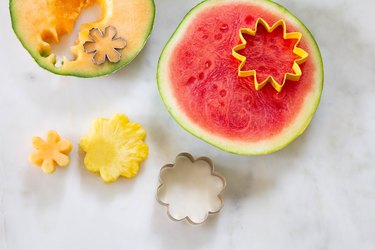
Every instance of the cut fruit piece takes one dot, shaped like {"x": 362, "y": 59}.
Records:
{"x": 39, "y": 23}
{"x": 199, "y": 83}
{"x": 51, "y": 152}
{"x": 114, "y": 147}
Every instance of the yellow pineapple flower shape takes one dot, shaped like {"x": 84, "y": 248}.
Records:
{"x": 54, "y": 151}
{"x": 114, "y": 147}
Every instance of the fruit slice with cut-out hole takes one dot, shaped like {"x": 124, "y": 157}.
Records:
{"x": 40, "y": 23}
{"x": 199, "y": 83}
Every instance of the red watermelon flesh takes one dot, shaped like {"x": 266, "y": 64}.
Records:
{"x": 269, "y": 54}
{"x": 204, "y": 74}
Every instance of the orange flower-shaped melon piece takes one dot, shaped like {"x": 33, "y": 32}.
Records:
{"x": 51, "y": 152}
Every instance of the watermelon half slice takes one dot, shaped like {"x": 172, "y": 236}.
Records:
{"x": 199, "y": 82}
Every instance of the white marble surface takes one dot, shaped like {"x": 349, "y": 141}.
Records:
{"x": 318, "y": 193}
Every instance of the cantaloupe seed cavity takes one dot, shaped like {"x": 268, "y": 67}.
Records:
{"x": 66, "y": 21}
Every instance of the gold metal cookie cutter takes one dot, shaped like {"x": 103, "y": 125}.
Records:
{"x": 298, "y": 51}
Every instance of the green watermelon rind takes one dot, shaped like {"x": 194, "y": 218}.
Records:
{"x": 106, "y": 71}
{"x": 258, "y": 148}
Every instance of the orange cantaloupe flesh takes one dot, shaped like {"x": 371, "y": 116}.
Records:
{"x": 39, "y": 23}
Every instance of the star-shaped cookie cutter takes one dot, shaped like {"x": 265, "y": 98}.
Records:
{"x": 286, "y": 36}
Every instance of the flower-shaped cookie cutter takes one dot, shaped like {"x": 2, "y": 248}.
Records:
{"x": 296, "y": 50}
{"x": 191, "y": 189}
{"x": 104, "y": 45}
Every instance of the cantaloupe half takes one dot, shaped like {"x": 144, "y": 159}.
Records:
{"x": 39, "y": 23}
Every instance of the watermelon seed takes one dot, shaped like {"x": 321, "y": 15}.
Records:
{"x": 224, "y": 27}
{"x": 249, "y": 20}
{"x": 218, "y": 36}
{"x": 191, "y": 80}
{"x": 208, "y": 64}
{"x": 201, "y": 76}
{"x": 204, "y": 37}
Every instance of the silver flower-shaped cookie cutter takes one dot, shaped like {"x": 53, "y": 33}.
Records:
{"x": 191, "y": 189}
{"x": 104, "y": 45}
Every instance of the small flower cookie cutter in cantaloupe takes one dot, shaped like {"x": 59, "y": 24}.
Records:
{"x": 50, "y": 152}
{"x": 104, "y": 45}
{"x": 114, "y": 147}
{"x": 191, "y": 189}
